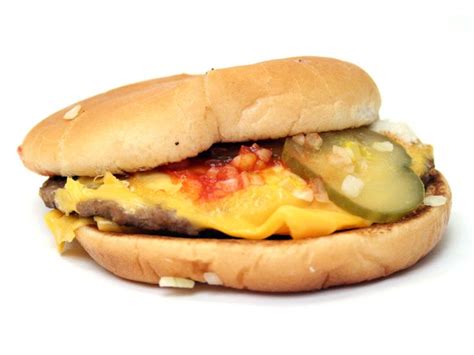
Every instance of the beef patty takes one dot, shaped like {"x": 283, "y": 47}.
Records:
{"x": 148, "y": 218}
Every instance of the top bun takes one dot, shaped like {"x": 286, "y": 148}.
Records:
{"x": 144, "y": 125}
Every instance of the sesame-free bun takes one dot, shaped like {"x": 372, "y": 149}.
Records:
{"x": 276, "y": 265}
{"x": 144, "y": 125}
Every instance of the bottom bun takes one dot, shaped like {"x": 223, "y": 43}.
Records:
{"x": 276, "y": 265}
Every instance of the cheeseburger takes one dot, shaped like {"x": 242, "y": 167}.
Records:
{"x": 273, "y": 177}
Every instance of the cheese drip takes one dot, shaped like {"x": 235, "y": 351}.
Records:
{"x": 63, "y": 227}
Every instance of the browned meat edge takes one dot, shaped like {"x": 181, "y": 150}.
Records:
{"x": 150, "y": 218}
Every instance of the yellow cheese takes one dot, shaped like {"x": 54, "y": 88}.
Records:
{"x": 63, "y": 227}
{"x": 255, "y": 212}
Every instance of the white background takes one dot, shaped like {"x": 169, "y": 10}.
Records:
{"x": 53, "y": 54}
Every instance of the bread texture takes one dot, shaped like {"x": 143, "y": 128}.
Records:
{"x": 144, "y": 125}
{"x": 341, "y": 258}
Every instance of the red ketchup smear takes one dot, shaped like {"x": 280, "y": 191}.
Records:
{"x": 213, "y": 178}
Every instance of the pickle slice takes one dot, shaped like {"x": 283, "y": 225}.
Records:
{"x": 364, "y": 173}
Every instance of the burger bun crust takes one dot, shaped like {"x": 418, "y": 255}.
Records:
{"x": 148, "y": 124}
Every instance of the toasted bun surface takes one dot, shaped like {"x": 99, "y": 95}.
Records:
{"x": 144, "y": 125}
{"x": 276, "y": 266}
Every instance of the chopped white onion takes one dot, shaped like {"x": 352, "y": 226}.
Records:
{"x": 72, "y": 113}
{"x": 314, "y": 140}
{"x": 264, "y": 154}
{"x": 245, "y": 179}
{"x": 304, "y": 194}
{"x": 229, "y": 185}
{"x": 434, "y": 200}
{"x": 212, "y": 278}
{"x": 383, "y": 146}
{"x": 352, "y": 186}
{"x": 237, "y": 160}
{"x": 178, "y": 282}
{"x": 320, "y": 193}
{"x": 399, "y": 129}
{"x": 342, "y": 155}
{"x": 212, "y": 172}
{"x": 299, "y": 139}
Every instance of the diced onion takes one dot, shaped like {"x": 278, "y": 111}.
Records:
{"x": 229, "y": 185}
{"x": 230, "y": 171}
{"x": 383, "y": 146}
{"x": 299, "y": 139}
{"x": 236, "y": 160}
{"x": 264, "y": 154}
{"x": 342, "y": 155}
{"x": 352, "y": 186}
{"x": 177, "y": 282}
{"x": 244, "y": 177}
{"x": 434, "y": 200}
{"x": 314, "y": 140}
{"x": 212, "y": 172}
{"x": 320, "y": 193}
{"x": 245, "y": 161}
{"x": 399, "y": 129}
{"x": 72, "y": 113}
{"x": 212, "y": 278}
{"x": 304, "y": 194}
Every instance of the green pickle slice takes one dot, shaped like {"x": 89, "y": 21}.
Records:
{"x": 364, "y": 172}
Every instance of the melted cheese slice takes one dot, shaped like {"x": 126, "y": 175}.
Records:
{"x": 255, "y": 212}
{"x": 63, "y": 227}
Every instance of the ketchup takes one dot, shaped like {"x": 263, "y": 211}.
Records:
{"x": 223, "y": 172}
